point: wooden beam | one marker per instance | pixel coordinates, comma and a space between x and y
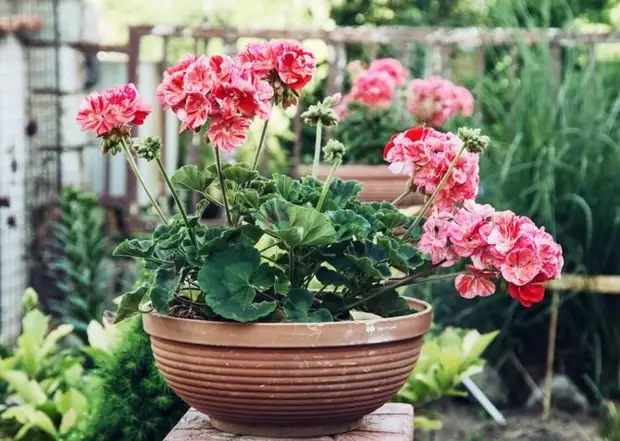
594, 284
395, 34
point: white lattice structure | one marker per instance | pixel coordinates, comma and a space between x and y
13, 160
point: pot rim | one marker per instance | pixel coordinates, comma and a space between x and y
292, 335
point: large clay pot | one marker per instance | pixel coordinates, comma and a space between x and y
288, 379
380, 184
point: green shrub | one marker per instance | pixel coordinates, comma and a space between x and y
130, 400
76, 259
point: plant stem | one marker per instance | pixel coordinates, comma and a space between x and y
136, 171
261, 144
291, 268
175, 196
218, 164
430, 200
327, 183
317, 148
402, 282
404, 194
275, 244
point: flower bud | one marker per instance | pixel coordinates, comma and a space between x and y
30, 300
323, 112
334, 150
110, 145
473, 140
149, 148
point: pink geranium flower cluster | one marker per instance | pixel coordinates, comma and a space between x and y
375, 86
425, 154
230, 92
434, 100
114, 110
218, 88
499, 245
284, 63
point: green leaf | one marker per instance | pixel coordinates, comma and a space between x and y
402, 256
287, 187
130, 303
162, 290
68, 422
390, 216
30, 418
295, 225
171, 241
190, 177
29, 391
328, 277
248, 199
201, 206
344, 192
135, 248
231, 279
348, 224
50, 341
369, 258
388, 304
474, 344
427, 424
297, 308
239, 173
36, 325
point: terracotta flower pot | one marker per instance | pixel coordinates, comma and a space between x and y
380, 184
288, 379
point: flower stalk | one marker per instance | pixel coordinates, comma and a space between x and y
136, 171
405, 193
220, 176
177, 201
334, 152
261, 144
317, 148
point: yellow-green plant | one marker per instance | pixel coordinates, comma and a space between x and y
42, 399
609, 426
446, 359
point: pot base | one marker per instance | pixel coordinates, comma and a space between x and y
285, 431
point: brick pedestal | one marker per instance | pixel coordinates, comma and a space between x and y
393, 422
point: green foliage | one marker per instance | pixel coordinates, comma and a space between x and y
225, 277
609, 425
77, 262
130, 400
40, 383
446, 359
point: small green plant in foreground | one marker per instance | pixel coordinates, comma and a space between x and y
446, 359
42, 398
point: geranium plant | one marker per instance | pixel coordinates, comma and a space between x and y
382, 102
302, 250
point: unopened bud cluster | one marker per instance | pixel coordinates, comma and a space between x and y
334, 150
323, 112
473, 140
149, 148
